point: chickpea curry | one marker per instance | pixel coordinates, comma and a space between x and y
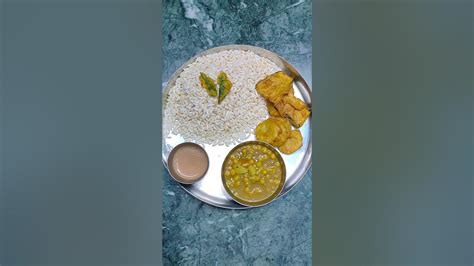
253, 173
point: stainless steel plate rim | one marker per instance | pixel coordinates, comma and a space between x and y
303, 89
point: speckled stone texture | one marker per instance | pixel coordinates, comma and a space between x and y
195, 233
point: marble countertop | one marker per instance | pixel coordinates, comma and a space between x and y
195, 233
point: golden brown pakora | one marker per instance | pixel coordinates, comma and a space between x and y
293, 143
298, 104
267, 131
272, 111
284, 133
277, 89
274, 131
275, 86
294, 109
284, 108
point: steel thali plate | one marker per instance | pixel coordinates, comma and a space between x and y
210, 189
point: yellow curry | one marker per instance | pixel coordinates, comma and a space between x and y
253, 173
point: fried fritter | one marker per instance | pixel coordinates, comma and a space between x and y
267, 131
277, 89
293, 143
274, 131
284, 108
272, 111
285, 129
294, 109
275, 86
298, 104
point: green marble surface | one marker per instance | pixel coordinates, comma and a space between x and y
195, 233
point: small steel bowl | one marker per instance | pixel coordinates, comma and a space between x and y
271, 197
172, 171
